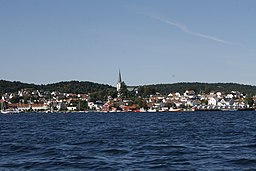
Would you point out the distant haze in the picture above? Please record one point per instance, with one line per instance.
(157, 41)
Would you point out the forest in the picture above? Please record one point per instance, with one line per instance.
(204, 88)
(103, 90)
(75, 87)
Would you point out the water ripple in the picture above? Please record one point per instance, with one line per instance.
(128, 141)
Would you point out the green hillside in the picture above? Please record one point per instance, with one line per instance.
(14, 86)
(203, 87)
(77, 87)
(67, 87)
(104, 89)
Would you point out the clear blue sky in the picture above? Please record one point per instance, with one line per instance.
(151, 41)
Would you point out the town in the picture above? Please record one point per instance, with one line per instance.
(29, 100)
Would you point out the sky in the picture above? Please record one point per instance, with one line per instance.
(150, 41)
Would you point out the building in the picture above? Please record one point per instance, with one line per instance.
(121, 85)
(119, 82)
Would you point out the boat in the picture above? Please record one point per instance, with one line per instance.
(151, 110)
(10, 111)
(175, 110)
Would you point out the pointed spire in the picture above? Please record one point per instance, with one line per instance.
(119, 81)
(119, 77)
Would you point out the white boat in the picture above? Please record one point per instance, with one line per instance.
(10, 111)
(175, 110)
(151, 110)
(142, 110)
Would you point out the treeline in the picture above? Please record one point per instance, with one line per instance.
(67, 87)
(103, 90)
(14, 86)
(203, 88)
(77, 87)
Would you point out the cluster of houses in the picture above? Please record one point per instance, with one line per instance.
(35, 100)
(44, 101)
(188, 101)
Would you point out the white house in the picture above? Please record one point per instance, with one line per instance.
(213, 101)
(190, 93)
(71, 108)
(97, 105)
(229, 96)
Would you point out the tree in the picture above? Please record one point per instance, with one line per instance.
(112, 93)
(83, 105)
(145, 91)
(123, 92)
(15, 99)
(141, 103)
(249, 100)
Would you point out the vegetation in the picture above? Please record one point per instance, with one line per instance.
(102, 94)
(249, 100)
(82, 87)
(145, 91)
(77, 87)
(102, 91)
(124, 93)
(165, 89)
(15, 86)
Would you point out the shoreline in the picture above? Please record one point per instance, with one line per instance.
(180, 111)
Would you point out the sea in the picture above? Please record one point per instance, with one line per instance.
(128, 141)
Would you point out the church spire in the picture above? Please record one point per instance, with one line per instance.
(119, 77)
(119, 81)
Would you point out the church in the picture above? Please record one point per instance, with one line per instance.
(120, 84)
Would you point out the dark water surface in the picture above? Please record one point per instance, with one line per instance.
(128, 141)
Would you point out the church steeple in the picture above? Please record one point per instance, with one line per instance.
(119, 77)
(119, 81)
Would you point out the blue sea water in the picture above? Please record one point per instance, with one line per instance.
(128, 141)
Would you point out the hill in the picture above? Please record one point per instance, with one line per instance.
(67, 87)
(14, 86)
(104, 89)
(77, 87)
(203, 87)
